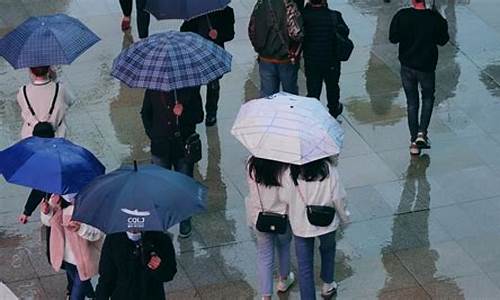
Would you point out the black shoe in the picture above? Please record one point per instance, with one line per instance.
(210, 120)
(338, 111)
(185, 229)
(423, 141)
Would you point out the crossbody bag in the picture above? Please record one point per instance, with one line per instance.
(318, 215)
(43, 128)
(270, 222)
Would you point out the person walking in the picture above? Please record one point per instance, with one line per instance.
(418, 31)
(73, 246)
(321, 26)
(169, 119)
(315, 186)
(264, 179)
(143, 17)
(275, 31)
(218, 27)
(134, 265)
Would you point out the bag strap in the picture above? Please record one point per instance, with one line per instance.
(275, 24)
(209, 23)
(301, 195)
(260, 200)
(54, 100)
(28, 103)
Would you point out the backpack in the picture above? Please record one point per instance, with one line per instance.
(42, 128)
(343, 45)
(293, 21)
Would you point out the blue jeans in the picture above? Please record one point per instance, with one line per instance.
(78, 289)
(272, 75)
(411, 79)
(304, 248)
(266, 242)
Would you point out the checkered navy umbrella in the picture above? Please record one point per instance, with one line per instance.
(183, 9)
(46, 40)
(171, 60)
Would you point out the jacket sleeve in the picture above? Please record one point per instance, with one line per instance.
(34, 199)
(339, 195)
(226, 33)
(147, 113)
(168, 266)
(342, 27)
(394, 30)
(107, 272)
(442, 35)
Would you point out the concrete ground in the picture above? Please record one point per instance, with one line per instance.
(423, 228)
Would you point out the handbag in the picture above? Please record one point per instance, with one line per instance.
(270, 222)
(318, 215)
(343, 45)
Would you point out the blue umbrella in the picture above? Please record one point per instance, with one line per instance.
(171, 60)
(183, 9)
(46, 40)
(149, 198)
(50, 165)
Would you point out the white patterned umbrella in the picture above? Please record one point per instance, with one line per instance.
(288, 128)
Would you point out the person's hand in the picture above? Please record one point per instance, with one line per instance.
(44, 207)
(73, 226)
(178, 109)
(23, 219)
(213, 34)
(154, 262)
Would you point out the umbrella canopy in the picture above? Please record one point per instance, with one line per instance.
(288, 128)
(46, 40)
(183, 9)
(171, 60)
(149, 198)
(50, 165)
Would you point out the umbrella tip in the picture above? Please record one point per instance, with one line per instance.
(135, 165)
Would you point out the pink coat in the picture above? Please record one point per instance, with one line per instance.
(86, 253)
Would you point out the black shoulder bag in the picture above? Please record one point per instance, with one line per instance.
(343, 45)
(318, 215)
(270, 222)
(43, 128)
(192, 145)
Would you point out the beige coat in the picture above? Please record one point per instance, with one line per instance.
(40, 97)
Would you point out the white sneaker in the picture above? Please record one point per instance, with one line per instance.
(283, 286)
(328, 289)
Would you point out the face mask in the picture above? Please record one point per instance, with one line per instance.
(134, 236)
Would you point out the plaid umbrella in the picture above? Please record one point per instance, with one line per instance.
(46, 40)
(288, 128)
(183, 9)
(171, 60)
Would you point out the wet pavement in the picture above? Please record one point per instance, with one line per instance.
(423, 228)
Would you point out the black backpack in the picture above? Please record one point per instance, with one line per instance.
(343, 45)
(43, 128)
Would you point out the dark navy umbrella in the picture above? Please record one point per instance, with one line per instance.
(50, 165)
(149, 198)
(183, 9)
(46, 40)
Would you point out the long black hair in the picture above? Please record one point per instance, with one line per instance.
(265, 171)
(317, 170)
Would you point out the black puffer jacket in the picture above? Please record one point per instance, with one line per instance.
(319, 35)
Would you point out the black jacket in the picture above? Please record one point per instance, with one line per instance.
(160, 123)
(320, 27)
(123, 271)
(418, 33)
(221, 20)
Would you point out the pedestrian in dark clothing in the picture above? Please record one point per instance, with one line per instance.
(218, 27)
(300, 4)
(418, 31)
(321, 25)
(269, 32)
(142, 16)
(169, 118)
(134, 266)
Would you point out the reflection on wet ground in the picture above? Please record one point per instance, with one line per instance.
(423, 228)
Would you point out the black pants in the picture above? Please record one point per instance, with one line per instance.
(315, 76)
(213, 94)
(143, 17)
(411, 79)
